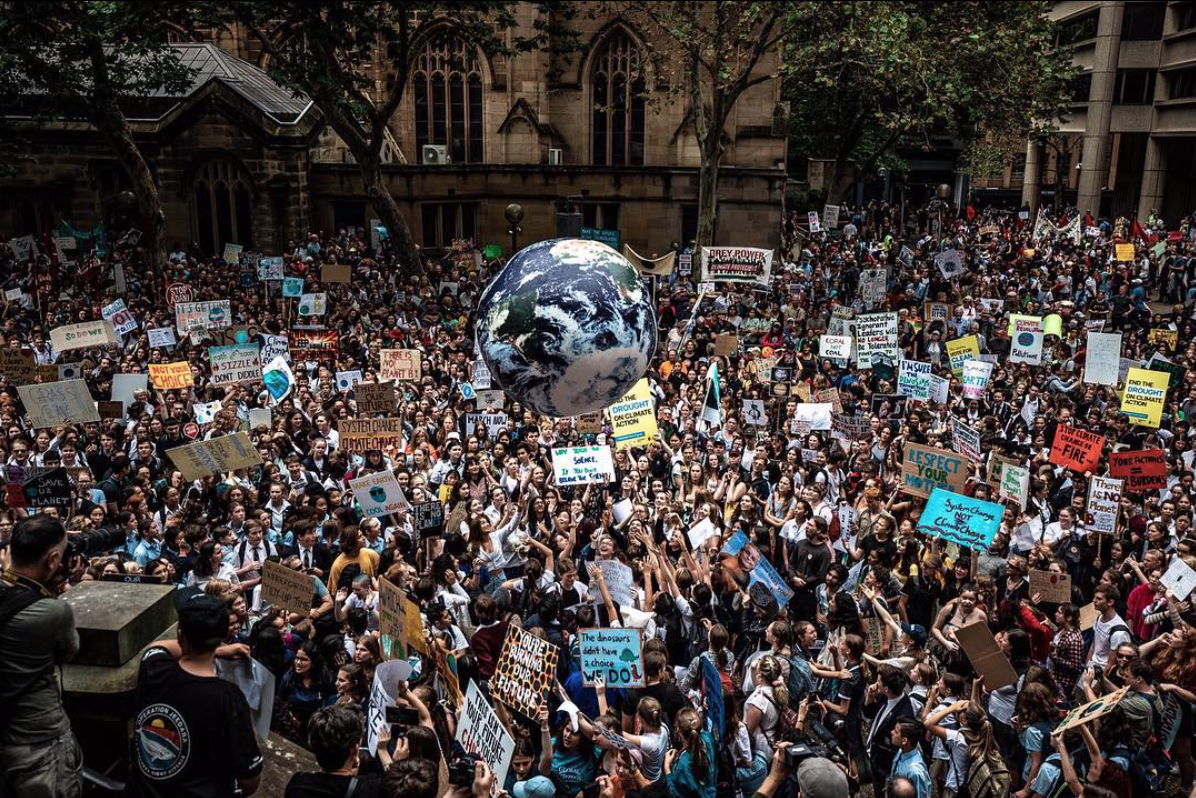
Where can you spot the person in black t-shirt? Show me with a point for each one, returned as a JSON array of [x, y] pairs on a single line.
[[192, 735], [333, 735]]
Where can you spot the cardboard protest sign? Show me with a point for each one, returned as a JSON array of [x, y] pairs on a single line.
[[374, 397], [400, 365], [1054, 588], [835, 347], [961, 519], [19, 366], [336, 273], [977, 641], [361, 435], [1076, 449], [525, 672], [926, 468], [1144, 397], [1104, 358], [960, 351], [876, 340], [743, 559], [1180, 579], [161, 337], [215, 456], [83, 335], [726, 344], [737, 264], [913, 379], [1141, 470], [283, 587], [390, 616], [1088, 616], [171, 376], [583, 465], [53, 403], [614, 654], [633, 418], [1097, 708], [232, 365], [378, 494], [480, 732], [1104, 500], [976, 374]]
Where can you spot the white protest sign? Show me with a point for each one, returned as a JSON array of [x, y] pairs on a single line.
[[873, 286], [619, 583], [950, 263], [1026, 347], [232, 365], [1179, 579], [206, 411], [830, 216], [812, 218], [270, 268], [1103, 366], [275, 346], [162, 337], [346, 380], [583, 465], [481, 732], [976, 374], [940, 389], [913, 379], [835, 347], [876, 337], [494, 423], [754, 414], [816, 414], [481, 375], [1104, 501], [313, 304], [379, 494], [701, 532], [621, 510]]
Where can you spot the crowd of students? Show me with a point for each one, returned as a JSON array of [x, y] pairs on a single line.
[[858, 679]]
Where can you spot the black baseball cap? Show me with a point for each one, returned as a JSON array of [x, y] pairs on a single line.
[[203, 619]]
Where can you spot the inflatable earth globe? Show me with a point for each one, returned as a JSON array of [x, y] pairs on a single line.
[[567, 327]]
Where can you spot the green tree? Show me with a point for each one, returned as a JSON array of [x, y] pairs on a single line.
[[85, 61], [717, 50], [863, 79], [326, 49]]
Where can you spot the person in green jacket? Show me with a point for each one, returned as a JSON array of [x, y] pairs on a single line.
[[690, 771]]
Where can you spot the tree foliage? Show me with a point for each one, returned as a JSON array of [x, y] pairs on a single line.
[[865, 78]]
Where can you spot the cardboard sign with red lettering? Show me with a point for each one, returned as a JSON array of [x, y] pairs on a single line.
[[1076, 449], [1141, 470]]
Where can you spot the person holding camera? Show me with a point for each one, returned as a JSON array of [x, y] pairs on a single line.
[[333, 735], [39, 755]]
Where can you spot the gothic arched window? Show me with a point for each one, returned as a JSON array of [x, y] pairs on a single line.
[[447, 91], [617, 82], [221, 206]]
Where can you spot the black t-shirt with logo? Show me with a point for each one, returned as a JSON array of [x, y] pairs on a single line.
[[192, 735]]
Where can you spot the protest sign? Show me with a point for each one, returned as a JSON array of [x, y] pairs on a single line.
[[313, 304], [1025, 342], [1164, 336], [374, 397], [83, 335], [215, 456], [737, 264], [317, 346], [830, 216], [51, 488], [1179, 578], [1104, 358], [1141, 470], [275, 346], [481, 374], [583, 465], [171, 376], [976, 374], [370, 434], [829, 396], [348, 380], [633, 418], [260, 417], [161, 337], [876, 339], [120, 317], [1125, 252], [926, 468], [1055, 588], [336, 273], [278, 379], [961, 519], [400, 365], [935, 317], [726, 344], [1144, 396], [1076, 449], [950, 263], [52, 404], [977, 641], [940, 389], [701, 532], [1104, 500], [205, 412], [271, 268], [286, 588], [754, 414], [379, 494], [874, 284], [525, 672], [19, 366], [1015, 484], [817, 415], [232, 253], [960, 351], [1088, 616], [812, 221], [494, 423], [110, 410], [620, 581], [199, 316], [232, 365], [742, 559], [480, 732], [1096, 708], [835, 347], [292, 287], [614, 654], [913, 379], [965, 439], [124, 386], [428, 516], [390, 616]]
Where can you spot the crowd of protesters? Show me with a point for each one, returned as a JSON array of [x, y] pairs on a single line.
[[857, 680]]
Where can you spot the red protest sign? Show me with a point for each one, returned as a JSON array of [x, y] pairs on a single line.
[[1144, 470], [1076, 449]]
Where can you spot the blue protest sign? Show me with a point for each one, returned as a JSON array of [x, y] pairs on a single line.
[[292, 286], [616, 655], [961, 519]]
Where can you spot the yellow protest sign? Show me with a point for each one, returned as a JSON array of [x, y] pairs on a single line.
[[1168, 337], [961, 350], [169, 376], [1144, 396], [633, 418], [1125, 252]]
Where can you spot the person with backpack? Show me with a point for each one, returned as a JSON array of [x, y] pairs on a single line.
[[1109, 631], [762, 713]]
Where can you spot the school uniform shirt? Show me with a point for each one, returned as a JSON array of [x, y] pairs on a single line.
[[192, 735], [956, 748], [911, 766]]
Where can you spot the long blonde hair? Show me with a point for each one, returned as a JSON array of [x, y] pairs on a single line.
[[689, 730], [772, 676]]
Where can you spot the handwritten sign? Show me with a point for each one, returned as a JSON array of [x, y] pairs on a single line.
[[283, 587], [961, 519], [370, 434], [1141, 470], [53, 403], [614, 654], [215, 456], [235, 364], [913, 379], [525, 672], [374, 397], [876, 339], [83, 335], [171, 376], [161, 337], [1098, 707], [401, 365], [19, 366], [835, 347], [1103, 363], [1076, 449], [583, 465], [976, 374], [1055, 588], [199, 316], [926, 468], [378, 494], [335, 273], [480, 732], [1104, 500]]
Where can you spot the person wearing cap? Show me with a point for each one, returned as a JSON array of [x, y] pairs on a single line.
[[192, 732], [817, 777]]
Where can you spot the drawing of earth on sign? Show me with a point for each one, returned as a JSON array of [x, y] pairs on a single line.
[[377, 494], [1025, 339], [567, 327]]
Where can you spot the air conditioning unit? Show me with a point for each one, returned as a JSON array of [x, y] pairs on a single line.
[[555, 156], [434, 155]]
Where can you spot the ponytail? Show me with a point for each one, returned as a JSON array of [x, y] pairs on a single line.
[[690, 731]]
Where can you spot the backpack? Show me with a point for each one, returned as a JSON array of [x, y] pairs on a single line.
[[988, 780], [801, 680], [1151, 765], [726, 782]]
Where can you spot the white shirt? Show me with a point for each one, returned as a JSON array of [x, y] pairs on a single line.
[[1105, 639]]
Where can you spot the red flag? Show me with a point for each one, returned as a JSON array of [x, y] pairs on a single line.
[[1136, 230]]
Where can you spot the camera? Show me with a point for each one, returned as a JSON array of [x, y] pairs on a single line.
[[461, 770], [89, 543], [402, 716]]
